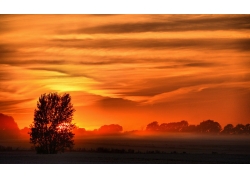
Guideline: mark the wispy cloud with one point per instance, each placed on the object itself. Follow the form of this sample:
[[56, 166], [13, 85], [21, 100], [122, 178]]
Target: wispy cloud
[[183, 92], [213, 44], [12, 104], [170, 23]]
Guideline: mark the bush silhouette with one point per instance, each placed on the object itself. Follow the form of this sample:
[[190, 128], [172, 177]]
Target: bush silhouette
[[209, 126], [110, 129], [174, 126], [239, 129], [154, 126], [51, 130], [228, 129], [8, 127]]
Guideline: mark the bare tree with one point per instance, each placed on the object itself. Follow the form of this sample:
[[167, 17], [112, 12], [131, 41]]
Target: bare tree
[[51, 130]]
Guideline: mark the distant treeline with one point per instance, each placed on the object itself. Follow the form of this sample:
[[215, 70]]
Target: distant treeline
[[10, 130], [123, 151], [10, 148], [208, 126]]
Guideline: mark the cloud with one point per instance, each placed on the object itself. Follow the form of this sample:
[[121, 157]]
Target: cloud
[[11, 90], [154, 86], [49, 69], [5, 49], [173, 23], [243, 44], [188, 93], [63, 71], [34, 62], [149, 43], [200, 64], [11, 104], [159, 88], [115, 103], [174, 95]]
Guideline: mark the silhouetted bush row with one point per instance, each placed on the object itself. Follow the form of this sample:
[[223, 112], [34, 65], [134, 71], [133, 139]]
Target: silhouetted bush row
[[238, 129], [106, 150], [10, 148], [208, 126], [122, 151]]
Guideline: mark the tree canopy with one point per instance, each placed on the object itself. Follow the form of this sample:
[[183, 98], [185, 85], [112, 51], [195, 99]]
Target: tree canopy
[[209, 126], [51, 130]]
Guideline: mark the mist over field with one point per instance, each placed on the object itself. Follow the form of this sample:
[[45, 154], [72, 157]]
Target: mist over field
[[146, 149]]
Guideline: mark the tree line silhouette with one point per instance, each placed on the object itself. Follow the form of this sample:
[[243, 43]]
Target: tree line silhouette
[[208, 126], [10, 130]]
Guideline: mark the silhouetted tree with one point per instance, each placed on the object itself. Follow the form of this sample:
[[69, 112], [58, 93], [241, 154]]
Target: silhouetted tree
[[110, 129], [209, 126], [247, 128], [239, 129], [190, 128], [154, 126], [228, 129], [8, 127], [164, 127], [174, 126], [51, 130]]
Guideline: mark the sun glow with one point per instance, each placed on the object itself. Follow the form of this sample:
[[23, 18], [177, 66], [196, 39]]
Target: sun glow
[[63, 127]]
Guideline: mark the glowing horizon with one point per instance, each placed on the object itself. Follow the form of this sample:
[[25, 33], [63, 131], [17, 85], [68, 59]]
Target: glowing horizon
[[128, 69]]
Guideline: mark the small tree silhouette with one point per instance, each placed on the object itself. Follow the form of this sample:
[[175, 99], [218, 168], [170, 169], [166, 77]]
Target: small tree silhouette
[[228, 129], [239, 129], [51, 130], [247, 128], [174, 126], [153, 126], [209, 126]]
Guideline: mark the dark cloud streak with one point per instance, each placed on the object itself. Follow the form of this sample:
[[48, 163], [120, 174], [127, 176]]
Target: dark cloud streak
[[67, 73], [189, 64], [214, 44], [213, 22], [115, 103], [9, 104], [49, 69], [154, 86], [34, 62]]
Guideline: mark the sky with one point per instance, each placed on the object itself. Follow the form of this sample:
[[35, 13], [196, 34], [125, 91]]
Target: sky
[[128, 69]]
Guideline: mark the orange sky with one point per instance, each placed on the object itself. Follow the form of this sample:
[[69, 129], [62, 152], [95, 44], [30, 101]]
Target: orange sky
[[128, 69]]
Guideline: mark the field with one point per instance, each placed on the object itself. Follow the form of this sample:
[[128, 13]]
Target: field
[[173, 149]]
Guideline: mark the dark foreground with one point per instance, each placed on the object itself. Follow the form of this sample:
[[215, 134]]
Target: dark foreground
[[171, 149], [30, 157]]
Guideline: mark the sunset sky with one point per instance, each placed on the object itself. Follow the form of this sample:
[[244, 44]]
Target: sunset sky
[[128, 69]]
